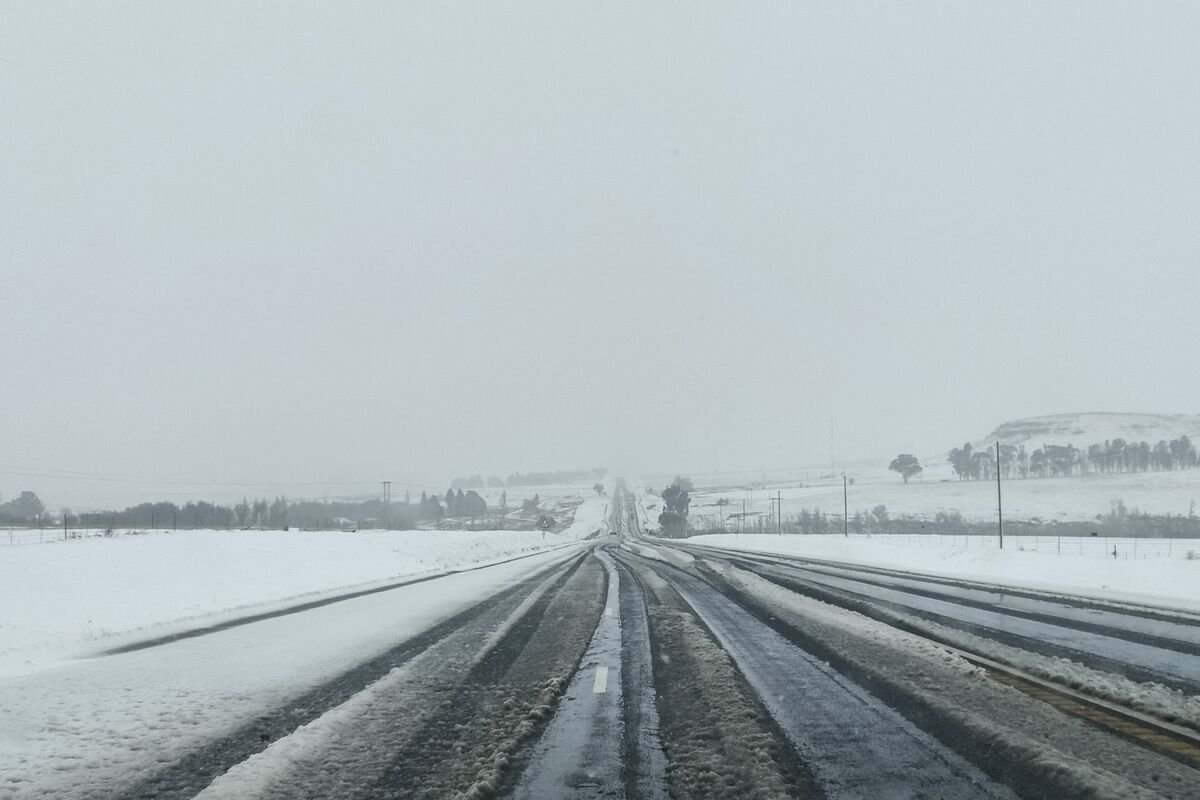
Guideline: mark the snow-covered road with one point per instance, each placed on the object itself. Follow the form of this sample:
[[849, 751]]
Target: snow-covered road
[[627, 666], [91, 727]]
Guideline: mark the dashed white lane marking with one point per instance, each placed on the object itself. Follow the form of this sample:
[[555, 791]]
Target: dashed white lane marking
[[608, 611], [601, 685]]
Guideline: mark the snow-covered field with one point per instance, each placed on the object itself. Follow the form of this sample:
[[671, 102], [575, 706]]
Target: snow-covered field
[[1057, 499], [64, 599], [1172, 582], [871, 484], [591, 516]]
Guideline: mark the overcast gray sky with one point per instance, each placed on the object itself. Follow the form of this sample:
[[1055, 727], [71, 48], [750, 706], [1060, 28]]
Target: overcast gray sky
[[313, 243]]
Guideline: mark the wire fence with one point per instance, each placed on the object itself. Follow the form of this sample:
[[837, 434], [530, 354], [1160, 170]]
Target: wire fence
[[24, 535], [13, 535]]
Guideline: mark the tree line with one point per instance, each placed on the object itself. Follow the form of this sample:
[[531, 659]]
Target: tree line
[[277, 513], [529, 479], [1055, 461]]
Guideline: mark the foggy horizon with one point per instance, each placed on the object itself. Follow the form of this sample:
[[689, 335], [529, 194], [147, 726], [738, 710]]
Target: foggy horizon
[[77, 489], [299, 246]]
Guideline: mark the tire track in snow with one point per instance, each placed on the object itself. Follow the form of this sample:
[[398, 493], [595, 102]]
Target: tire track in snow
[[189, 775]]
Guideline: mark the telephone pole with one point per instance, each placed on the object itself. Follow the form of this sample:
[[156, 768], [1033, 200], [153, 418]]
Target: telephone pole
[[779, 513], [387, 504], [845, 508], [999, 502]]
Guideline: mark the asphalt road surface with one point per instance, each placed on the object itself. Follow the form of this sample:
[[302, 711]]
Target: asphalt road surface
[[629, 667]]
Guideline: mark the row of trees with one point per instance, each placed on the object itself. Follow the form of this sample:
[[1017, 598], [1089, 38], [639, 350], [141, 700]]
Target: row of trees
[[23, 507], [1117, 455], [1052, 461], [29, 510], [465, 504], [529, 479], [970, 464], [278, 513]]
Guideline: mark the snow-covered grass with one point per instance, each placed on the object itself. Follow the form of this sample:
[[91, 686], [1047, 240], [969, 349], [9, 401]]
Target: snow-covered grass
[[591, 516], [1050, 499], [72, 597], [1157, 581], [12, 535]]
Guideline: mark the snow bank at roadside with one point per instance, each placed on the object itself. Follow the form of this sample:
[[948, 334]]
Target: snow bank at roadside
[[647, 505], [591, 516], [68, 598], [1165, 582]]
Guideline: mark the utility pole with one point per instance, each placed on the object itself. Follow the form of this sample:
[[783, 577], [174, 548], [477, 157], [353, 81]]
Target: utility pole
[[779, 513], [387, 504], [999, 502], [845, 508]]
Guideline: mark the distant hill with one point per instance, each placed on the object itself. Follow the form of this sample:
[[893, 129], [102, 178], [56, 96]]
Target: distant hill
[[1088, 428]]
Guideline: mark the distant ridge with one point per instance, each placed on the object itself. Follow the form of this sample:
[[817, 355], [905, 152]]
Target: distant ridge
[[1092, 427]]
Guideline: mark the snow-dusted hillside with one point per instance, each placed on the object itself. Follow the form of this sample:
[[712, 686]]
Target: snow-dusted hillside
[[1089, 428]]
